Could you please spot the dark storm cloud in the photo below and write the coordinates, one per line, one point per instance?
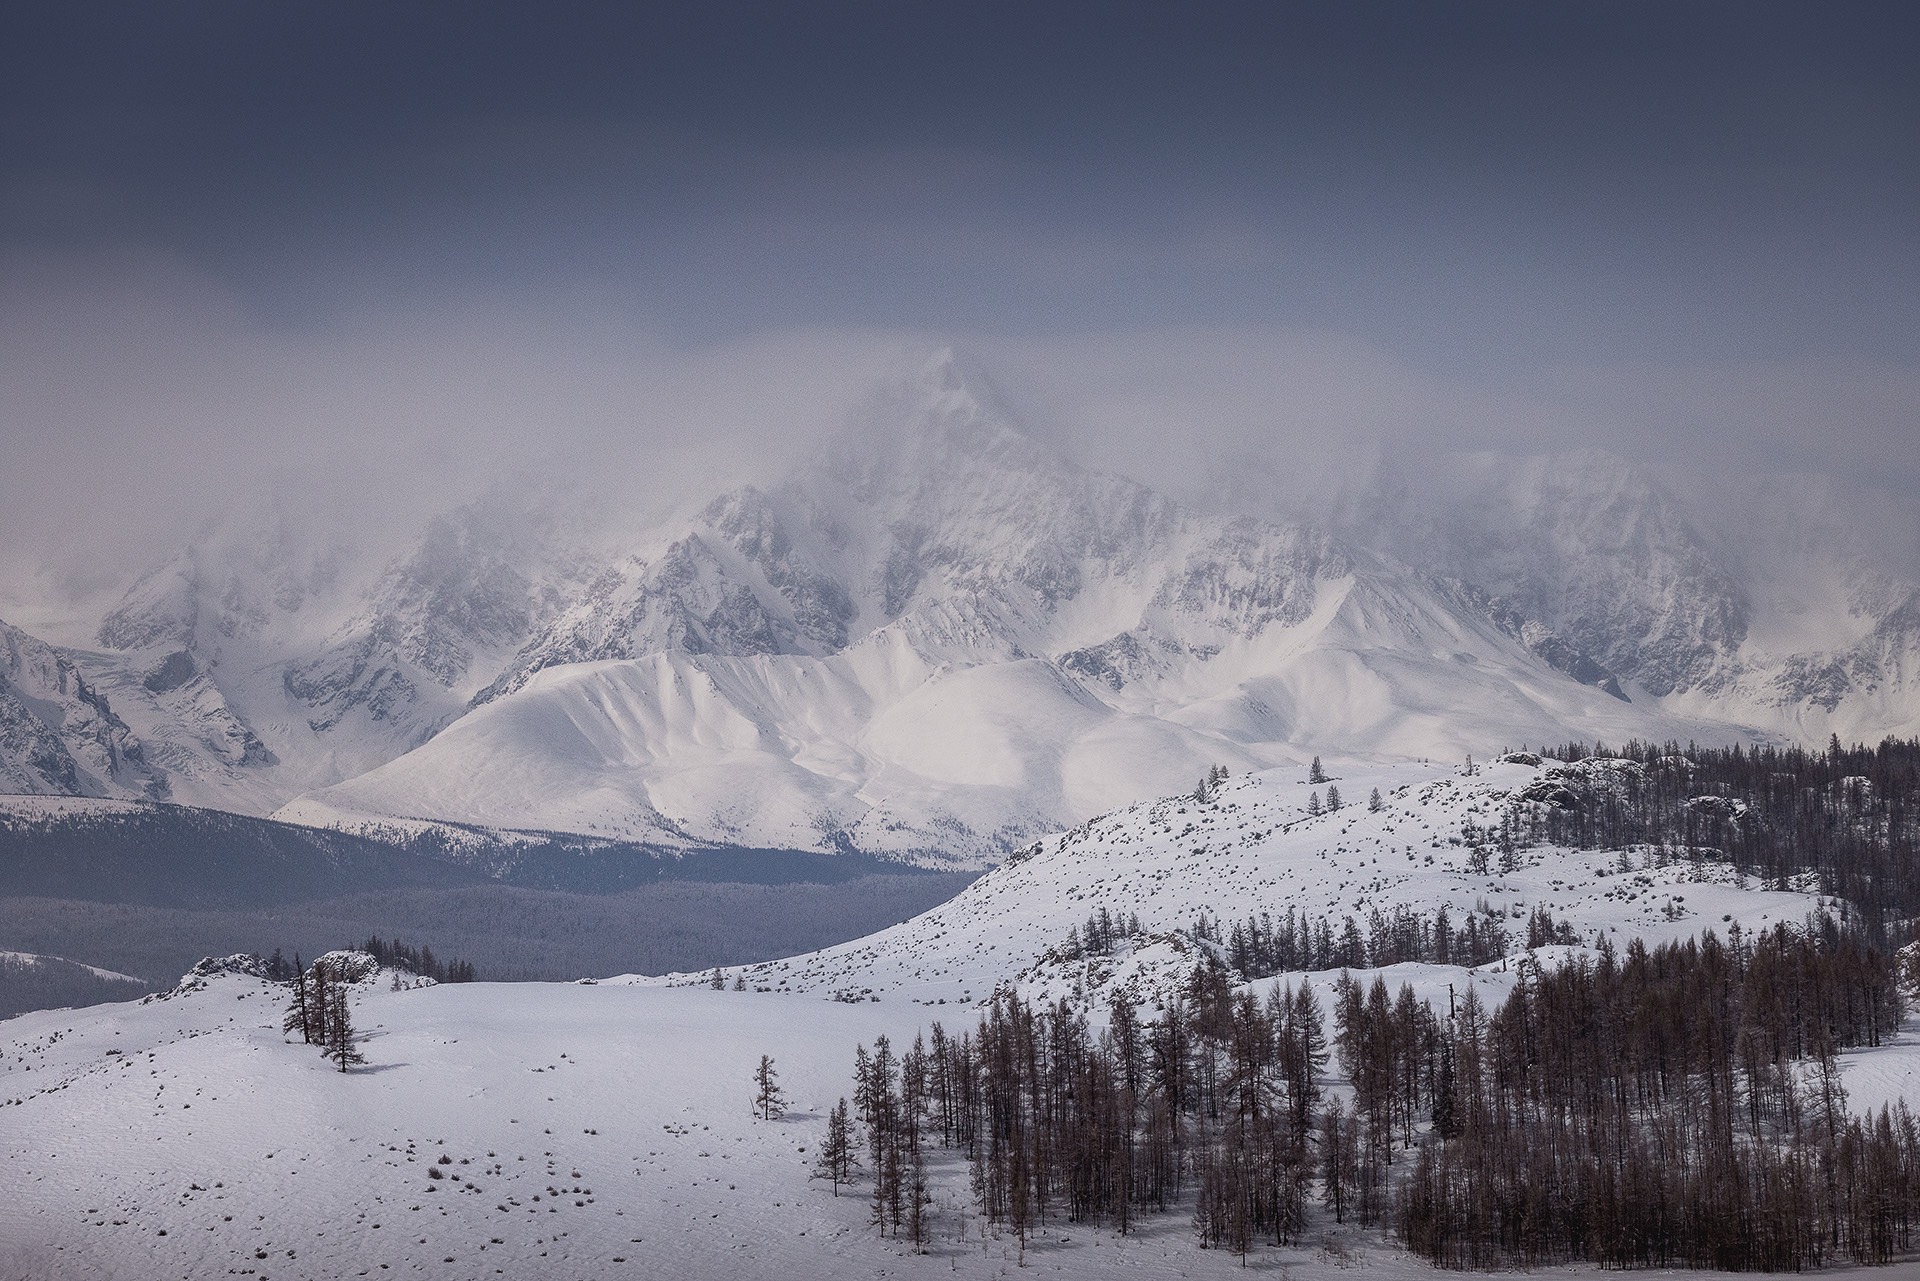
(1457, 178)
(1677, 228)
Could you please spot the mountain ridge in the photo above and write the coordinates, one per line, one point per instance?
(938, 637)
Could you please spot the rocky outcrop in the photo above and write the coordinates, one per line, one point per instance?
(58, 735)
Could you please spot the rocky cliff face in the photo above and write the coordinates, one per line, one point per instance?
(1752, 604)
(436, 623)
(58, 735)
(268, 658)
(1582, 545)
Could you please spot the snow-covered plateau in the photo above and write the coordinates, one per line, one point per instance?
(604, 1129)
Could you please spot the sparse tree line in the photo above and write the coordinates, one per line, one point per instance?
(318, 1009)
(1102, 933)
(1849, 816)
(393, 956)
(1675, 1105)
(890, 1095)
(1265, 945)
(1210, 783)
(399, 956)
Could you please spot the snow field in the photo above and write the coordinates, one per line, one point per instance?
(588, 1131)
(591, 1131)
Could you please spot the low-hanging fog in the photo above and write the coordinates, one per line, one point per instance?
(1242, 253)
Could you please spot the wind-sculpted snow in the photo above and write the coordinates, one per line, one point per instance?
(896, 747)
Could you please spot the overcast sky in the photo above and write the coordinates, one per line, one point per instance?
(403, 242)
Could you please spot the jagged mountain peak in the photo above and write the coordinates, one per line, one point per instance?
(244, 573)
(935, 413)
(1589, 545)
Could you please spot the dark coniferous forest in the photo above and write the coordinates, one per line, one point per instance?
(1848, 817)
(394, 954)
(1679, 1105)
(1634, 1107)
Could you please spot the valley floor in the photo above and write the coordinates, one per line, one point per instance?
(588, 1131)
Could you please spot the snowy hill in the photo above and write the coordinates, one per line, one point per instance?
(1255, 847)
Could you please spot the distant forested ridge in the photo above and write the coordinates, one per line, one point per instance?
(181, 856)
(1849, 817)
(147, 889)
(29, 982)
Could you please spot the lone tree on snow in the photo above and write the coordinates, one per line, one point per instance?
(299, 1017)
(1333, 799)
(835, 1161)
(1315, 774)
(340, 1034)
(768, 1098)
(1374, 803)
(320, 987)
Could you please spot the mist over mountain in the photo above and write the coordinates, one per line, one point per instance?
(938, 635)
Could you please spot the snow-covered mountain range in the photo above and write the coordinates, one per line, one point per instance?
(938, 638)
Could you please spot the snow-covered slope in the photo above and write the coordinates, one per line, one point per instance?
(1254, 847)
(889, 748)
(588, 1132)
